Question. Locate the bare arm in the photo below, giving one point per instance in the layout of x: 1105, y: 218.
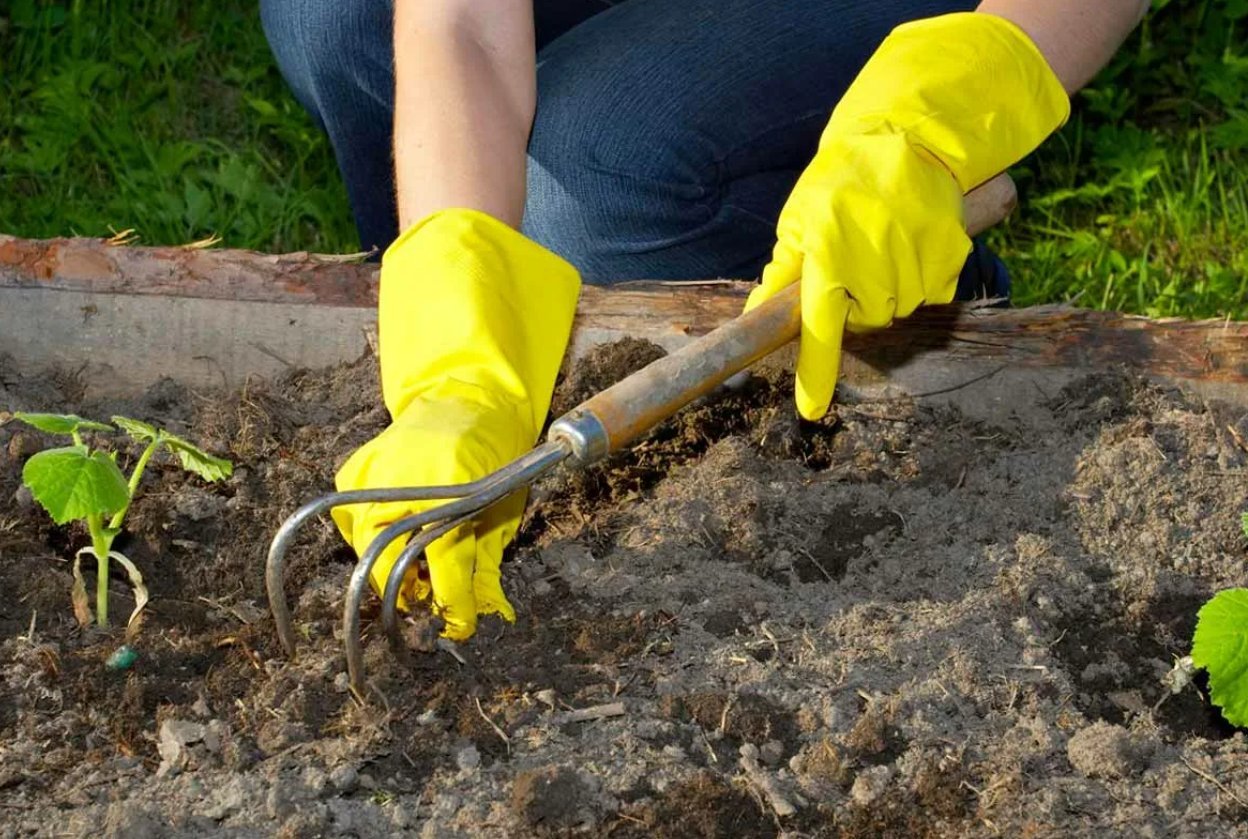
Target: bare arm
x: 1076, y: 36
x: 465, y: 94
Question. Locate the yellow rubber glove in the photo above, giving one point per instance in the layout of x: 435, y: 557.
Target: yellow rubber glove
x: 473, y: 321
x: 873, y: 227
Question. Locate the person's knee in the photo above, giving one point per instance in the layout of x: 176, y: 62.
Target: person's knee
x: 323, y: 46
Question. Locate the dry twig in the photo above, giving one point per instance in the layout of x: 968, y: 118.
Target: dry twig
x: 502, y: 734
x: 1215, y: 782
x: 594, y: 712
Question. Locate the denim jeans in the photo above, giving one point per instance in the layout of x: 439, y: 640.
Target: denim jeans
x: 667, y: 136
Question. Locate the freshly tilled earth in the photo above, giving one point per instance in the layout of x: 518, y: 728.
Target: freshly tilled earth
x: 897, y: 622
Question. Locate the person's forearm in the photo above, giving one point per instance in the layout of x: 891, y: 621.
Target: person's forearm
x: 1077, y: 37
x: 465, y: 92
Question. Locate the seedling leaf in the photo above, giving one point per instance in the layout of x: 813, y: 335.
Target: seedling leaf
x: 73, y: 483
x: 137, y: 429
x: 194, y: 459
x: 1220, y: 646
x: 61, y: 423
x: 1244, y: 523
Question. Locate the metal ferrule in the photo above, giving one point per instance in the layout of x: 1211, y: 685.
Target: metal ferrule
x: 584, y: 432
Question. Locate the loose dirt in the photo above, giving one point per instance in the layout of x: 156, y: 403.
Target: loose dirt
x: 900, y: 621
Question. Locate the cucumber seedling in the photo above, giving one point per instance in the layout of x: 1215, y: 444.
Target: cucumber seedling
x: 79, y: 483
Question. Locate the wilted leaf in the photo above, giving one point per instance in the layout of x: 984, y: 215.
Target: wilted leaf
x: 78, y: 595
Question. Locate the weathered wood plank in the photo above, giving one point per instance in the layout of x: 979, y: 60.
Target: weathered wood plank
x: 218, y: 316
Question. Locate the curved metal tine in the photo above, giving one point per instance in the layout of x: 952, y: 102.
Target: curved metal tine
x: 489, y: 489
x: 414, y: 550
x: 359, y: 582
x: 275, y: 564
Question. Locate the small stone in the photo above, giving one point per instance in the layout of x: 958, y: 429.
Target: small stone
x: 870, y: 784
x: 173, y: 744
x: 367, y: 781
x: 468, y: 758
x: 229, y: 799
x: 214, y: 733
x: 781, y: 560
x: 427, y: 718
x: 344, y: 778
x: 541, y: 588
x: 22, y: 498
x: 23, y: 444
x: 200, y: 708
x: 546, y: 697
x: 342, y: 683
x: 772, y: 752
x: 182, y: 732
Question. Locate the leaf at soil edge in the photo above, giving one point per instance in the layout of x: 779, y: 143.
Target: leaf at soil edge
x: 1220, y: 646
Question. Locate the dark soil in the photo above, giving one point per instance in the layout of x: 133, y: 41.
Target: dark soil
x: 924, y: 624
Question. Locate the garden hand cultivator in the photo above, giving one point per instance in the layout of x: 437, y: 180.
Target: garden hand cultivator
x: 597, y: 427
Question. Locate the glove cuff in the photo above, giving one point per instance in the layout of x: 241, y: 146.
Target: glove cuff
x: 970, y: 90
x: 466, y: 298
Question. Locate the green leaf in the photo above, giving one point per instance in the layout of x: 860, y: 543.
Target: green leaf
x: 137, y: 429
x: 61, y: 423
x: 1244, y: 523
x: 74, y: 482
x: 1220, y: 646
x: 194, y: 459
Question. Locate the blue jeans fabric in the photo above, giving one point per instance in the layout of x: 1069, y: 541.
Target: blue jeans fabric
x: 668, y: 133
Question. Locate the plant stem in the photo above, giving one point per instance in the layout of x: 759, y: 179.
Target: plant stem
x: 101, y: 543
x: 133, y: 483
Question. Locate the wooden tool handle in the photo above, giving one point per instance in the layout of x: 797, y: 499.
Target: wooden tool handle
x: 618, y: 415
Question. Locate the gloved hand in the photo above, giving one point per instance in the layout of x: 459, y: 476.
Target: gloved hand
x: 473, y: 321
x: 874, y: 228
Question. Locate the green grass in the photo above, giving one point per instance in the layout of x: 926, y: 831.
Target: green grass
x: 171, y: 118
x: 167, y: 117
x: 1140, y: 203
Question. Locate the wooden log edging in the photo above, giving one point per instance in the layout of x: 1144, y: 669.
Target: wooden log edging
x: 217, y: 316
